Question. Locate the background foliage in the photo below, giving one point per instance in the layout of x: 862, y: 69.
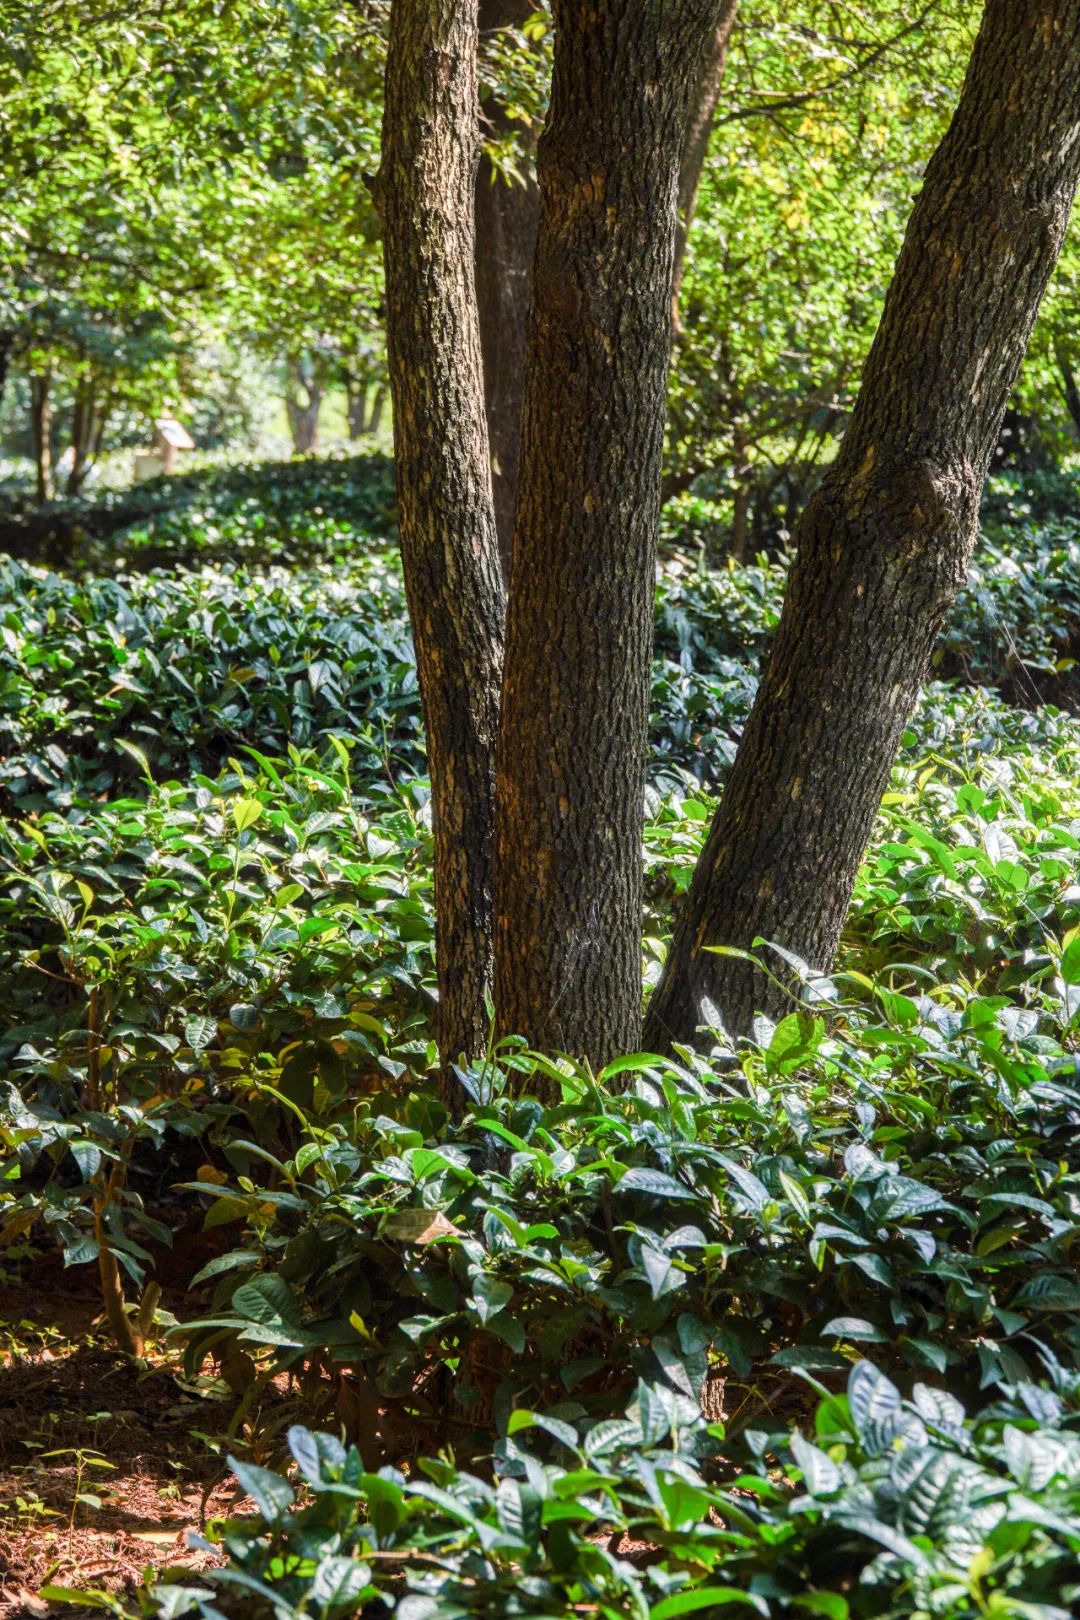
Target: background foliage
x: 791, y: 1328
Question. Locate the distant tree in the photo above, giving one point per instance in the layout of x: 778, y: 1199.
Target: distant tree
x: 699, y: 126
x: 195, y: 173
x: 304, y: 387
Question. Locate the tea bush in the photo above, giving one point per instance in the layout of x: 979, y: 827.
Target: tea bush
x: 190, y: 667
x: 267, y: 512
x: 891, y: 1508
x: 217, y: 950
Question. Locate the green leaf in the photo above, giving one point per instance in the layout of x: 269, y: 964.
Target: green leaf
x: 795, y: 1040
x: 1048, y: 1292
x: 795, y: 1195
x: 829, y: 1605
x: 79, y: 1249
x: 271, y: 1494
x: 821, y: 1476
x: 705, y: 1597
x: 83, y: 1597
x: 269, y: 1301
x: 633, y: 1063
x: 752, y: 1188
x: 654, y: 1182
x: 876, y: 1407
x: 339, y: 1583
x: 561, y: 1431
x: 853, y: 1327
x: 245, y: 813
x: 490, y: 1295
x: 199, y: 1032
x: 137, y: 755
x: 1070, y: 962
x: 232, y: 1261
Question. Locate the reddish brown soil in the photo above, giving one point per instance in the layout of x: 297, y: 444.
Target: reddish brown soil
x: 63, y: 1388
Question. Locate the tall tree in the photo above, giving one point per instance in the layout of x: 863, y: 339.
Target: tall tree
x: 507, y: 210
x: 448, y: 541
x: 885, y: 543
x: 571, y: 757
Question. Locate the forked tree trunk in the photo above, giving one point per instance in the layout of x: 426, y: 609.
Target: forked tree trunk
x: 449, y: 548
x: 698, y: 130
x: 571, y: 768
x: 506, y: 220
x: 884, y: 544
x: 303, y: 401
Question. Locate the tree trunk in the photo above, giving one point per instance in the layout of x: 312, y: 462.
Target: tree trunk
x: 1070, y: 391
x: 506, y: 219
x: 884, y: 544
x: 303, y: 400
x: 355, y: 405
x: 448, y: 541
x: 571, y: 769
x: 740, y: 518
x: 378, y: 405
x: 85, y: 433
x: 698, y: 130
x: 41, y: 431
x: 362, y: 424
x: 79, y: 429
x: 7, y: 344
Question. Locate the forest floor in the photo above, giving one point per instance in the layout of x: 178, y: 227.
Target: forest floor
x: 106, y: 1465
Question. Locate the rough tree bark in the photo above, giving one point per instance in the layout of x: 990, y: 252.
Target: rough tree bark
x: 506, y: 220
x: 698, y: 130
x: 885, y: 542
x: 579, y: 634
x: 448, y: 542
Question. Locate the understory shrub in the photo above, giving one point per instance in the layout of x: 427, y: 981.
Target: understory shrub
x: 216, y: 945
x: 892, y: 1508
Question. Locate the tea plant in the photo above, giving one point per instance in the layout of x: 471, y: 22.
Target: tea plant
x: 217, y: 937
x: 891, y: 1508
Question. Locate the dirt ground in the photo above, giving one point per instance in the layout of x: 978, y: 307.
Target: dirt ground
x: 70, y: 1405
x: 109, y: 1467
